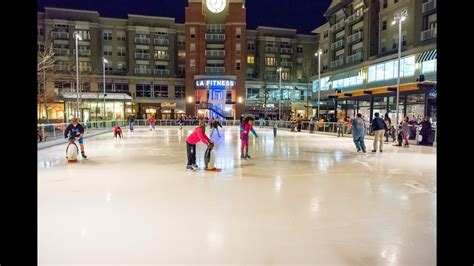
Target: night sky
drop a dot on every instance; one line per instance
(303, 15)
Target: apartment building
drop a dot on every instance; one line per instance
(363, 58)
(210, 65)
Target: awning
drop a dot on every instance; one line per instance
(385, 89)
(347, 74)
(426, 56)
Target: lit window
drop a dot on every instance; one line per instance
(428, 66)
(250, 59)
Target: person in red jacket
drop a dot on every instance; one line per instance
(198, 135)
(117, 131)
(151, 122)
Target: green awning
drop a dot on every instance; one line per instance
(347, 74)
(426, 56)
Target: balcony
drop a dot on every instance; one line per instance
(286, 50)
(354, 18)
(354, 37)
(215, 53)
(215, 69)
(83, 52)
(85, 69)
(428, 34)
(337, 44)
(142, 40)
(337, 63)
(286, 64)
(162, 72)
(142, 56)
(269, 77)
(161, 41)
(162, 57)
(354, 58)
(338, 26)
(271, 49)
(61, 51)
(60, 35)
(142, 71)
(61, 67)
(428, 6)
(215, 28)
(214, 37)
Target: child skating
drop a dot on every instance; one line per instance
(195, 137)
(245, 130)
(117, 131)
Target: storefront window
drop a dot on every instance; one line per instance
(429, 66)
(389, 70)
(324, 84)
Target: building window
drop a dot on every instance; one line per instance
(181, 40)
(249, 72)
(121, 87)
(384, 25)
(237, 48)
(285, 75)
(161, 54)
(428, 66)
(388, 70)
(270, 61)
(181, 69)
(121, 36)
(143, 90)
(238, 32)
(299, 73)
(160, 90)
(299, 49)
(40, 47)
(237, 65)
(108, 66)
(179, 92)
(192, 48)
(107, 35)
(395, 1)
(250, 59)
(121, 66)
(192, 65)
(121, 51)
(40, 31)
(192, 31)
(384, 4)
(326, 34)
(251, 46)
(84, 66)
(107, 50)
(253, 93)
(85, 34)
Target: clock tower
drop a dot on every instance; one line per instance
(216, 57)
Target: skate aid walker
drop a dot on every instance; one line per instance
(209, 160)
(72, 151)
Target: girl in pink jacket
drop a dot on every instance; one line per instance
(245, 130)
(198, 134)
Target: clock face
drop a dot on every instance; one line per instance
(215, 6)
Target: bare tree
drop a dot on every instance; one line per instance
(45, 65)
(307, 72)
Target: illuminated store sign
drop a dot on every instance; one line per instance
(215, 82)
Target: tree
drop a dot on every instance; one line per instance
(45, 65)
(307, 72)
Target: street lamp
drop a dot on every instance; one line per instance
(398, 19)
(279, 87)
(104, 61)
(78, 38)
(318, 54)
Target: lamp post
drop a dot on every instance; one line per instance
(78, 38)
(318, 54)
(398, 19)
(279, 87)
(104, 61)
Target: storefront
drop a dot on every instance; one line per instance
(93, 108)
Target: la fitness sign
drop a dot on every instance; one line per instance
(215, 82)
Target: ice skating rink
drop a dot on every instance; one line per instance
(301, 200)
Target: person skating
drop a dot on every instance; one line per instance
(117, 131)
(76, 130)
(358, 133)
(275, 127)
(378, 127)
(199, 134)
(214, 125)
(245, 130)
(340, 126)
(151, 122)
(131, 121)
(388, 131)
